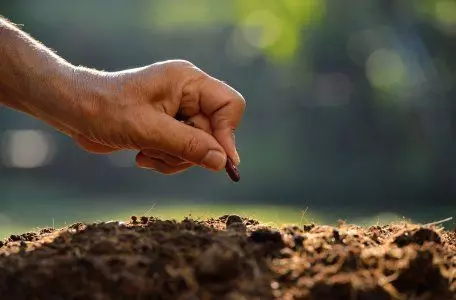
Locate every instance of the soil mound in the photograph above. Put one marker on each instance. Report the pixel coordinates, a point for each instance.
(228, 258)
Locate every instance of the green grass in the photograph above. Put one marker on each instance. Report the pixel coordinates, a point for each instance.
(269, 214)
(25, 217)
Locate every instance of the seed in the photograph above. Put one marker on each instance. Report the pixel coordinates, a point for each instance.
(231, 170)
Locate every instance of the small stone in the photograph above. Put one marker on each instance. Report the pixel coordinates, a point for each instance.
(14, 238)
(233, 219)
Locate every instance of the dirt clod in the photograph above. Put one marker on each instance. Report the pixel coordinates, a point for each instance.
(417, 236)
(14, 238)
(218, 264)
(134, 219)
(421, 274)
(265, 235)
(149, 258)
(308, 227)
(233, 219)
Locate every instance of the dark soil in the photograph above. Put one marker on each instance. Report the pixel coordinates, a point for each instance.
(228, 258)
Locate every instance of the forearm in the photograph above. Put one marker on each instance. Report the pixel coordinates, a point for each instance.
(35, 80)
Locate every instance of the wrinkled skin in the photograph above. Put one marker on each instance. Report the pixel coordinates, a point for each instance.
(130, 109)
(143, 113)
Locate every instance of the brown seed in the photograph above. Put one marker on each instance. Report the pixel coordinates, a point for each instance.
(232, 170)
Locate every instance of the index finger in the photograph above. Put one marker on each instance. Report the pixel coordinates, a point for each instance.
(225, 107)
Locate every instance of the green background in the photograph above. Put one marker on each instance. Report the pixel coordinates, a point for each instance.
(350, 111)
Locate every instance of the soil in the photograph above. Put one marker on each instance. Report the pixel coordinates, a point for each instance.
(228, 258)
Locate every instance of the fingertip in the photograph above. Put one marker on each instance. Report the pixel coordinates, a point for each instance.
(214, 160)
(226, 139)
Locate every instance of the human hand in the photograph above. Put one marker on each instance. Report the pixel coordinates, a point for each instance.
(131, 109)
(137, 109)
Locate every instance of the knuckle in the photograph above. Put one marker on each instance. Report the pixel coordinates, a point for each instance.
(180, 63)
(190, 147)
(239, 101)
(184, 62)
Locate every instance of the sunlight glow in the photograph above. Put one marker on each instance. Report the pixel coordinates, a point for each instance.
(262, 28)
(27, 149)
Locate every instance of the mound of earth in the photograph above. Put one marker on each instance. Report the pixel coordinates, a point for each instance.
(228, 258)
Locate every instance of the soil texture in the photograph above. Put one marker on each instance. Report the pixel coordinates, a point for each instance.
(231, 258)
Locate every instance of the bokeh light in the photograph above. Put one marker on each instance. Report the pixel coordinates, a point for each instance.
(27, 149)
(262, 28)
(385, 69)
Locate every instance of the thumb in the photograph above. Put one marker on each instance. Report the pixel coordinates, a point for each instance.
(189, 143)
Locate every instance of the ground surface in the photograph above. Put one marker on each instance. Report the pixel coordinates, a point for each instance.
(228, 258)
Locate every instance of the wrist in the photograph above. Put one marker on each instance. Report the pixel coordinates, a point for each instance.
(75, 98)
(84, 92)
(35, 80)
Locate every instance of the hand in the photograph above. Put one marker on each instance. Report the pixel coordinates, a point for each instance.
(132, 109)
(137, 109)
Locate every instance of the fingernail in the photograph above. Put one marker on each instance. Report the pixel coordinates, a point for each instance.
(214, 160)
(236, 158)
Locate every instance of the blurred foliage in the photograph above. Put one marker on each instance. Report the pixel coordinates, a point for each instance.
(277, 26)
(349, 104)
(273, 26)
